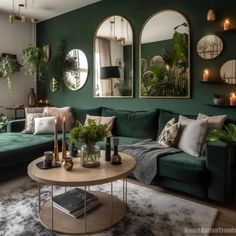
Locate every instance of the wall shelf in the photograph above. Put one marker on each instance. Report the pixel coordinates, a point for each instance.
(212, 82)
(221, 106)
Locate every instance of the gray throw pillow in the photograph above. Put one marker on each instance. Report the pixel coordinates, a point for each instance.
(193, 135)
(29, 122)
(45, 125)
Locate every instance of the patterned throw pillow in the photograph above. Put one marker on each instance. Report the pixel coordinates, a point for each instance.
(29, 123)
(169, 133)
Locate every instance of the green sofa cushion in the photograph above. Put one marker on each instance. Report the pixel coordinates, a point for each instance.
(19, 147)
(136, 124)
(80, 114)
(184, 167)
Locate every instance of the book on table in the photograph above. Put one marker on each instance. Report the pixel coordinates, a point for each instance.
(72, 202)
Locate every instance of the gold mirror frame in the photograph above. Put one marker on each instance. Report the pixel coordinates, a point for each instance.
(113, 87)
(165, 86)
(209, 46)
(75, 69)
(228, 72)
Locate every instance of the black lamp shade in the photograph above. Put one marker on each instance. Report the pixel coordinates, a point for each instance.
(108, 72)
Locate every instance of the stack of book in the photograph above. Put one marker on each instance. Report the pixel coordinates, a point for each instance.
(72, 202)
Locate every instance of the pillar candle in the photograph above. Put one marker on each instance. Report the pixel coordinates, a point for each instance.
(205, 75)
(227, 24)
(232, 99)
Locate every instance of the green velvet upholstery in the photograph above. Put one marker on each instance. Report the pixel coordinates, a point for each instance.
(18, 147)
(136, 124)
(80, 114)
(16, 125)
(184, 167)
(218, 170)
(196, 189)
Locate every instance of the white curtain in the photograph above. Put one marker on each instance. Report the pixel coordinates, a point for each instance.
(102, 58)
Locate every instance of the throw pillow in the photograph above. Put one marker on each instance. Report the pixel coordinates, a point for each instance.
(169, 133)
(60, 113)
(109, 121)
(29, 122)
(214, 122)
(44, 125)
(193, 135)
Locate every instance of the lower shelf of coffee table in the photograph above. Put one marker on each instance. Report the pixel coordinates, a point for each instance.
(108, 214)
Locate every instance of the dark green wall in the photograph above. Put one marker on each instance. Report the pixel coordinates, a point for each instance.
(78, 27)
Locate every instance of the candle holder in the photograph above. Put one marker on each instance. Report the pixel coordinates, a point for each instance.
(56, 152)
(63, 151)
(205, 75)
(227, 24)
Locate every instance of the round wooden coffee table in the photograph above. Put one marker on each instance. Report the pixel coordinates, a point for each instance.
(112, 209)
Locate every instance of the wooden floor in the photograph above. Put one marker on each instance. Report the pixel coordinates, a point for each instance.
(227, 214)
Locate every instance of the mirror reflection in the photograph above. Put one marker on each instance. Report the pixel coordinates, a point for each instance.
(75, 69)
(228, 72)
(209, 47)
(164, 44)
(113, 58)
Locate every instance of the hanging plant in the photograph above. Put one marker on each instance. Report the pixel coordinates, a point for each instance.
(7, 69)
(33, 61)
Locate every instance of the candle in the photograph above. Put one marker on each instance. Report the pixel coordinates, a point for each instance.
(205, 75)
(227, 24)
(232, 99)
(55, 130)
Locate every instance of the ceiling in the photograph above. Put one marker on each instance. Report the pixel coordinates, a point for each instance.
(43, 9)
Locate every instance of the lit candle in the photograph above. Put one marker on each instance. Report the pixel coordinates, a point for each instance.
(55, 130)
(227, 24)
(232, 99)
(205, 75)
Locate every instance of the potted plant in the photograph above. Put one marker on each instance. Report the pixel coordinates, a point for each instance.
(3, 122)
(89, 134)
(33, 60)
(7, 69)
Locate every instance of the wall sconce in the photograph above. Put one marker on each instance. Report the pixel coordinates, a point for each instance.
(227, 24)
(211, 15)
(205, 75)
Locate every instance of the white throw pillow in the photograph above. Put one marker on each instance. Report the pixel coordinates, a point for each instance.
(169, 133)
(193, 135)
(214, 122)
(108, 120)
(44, 125)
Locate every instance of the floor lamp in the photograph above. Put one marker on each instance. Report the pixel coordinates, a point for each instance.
(110, 72)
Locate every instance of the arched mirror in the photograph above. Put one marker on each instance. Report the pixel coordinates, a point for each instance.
(228, 72)
(209, 47)
(164, 44)
(75, 69)
(113, 58)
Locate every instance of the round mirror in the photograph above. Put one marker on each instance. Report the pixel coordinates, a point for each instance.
(228, 72)
(113, 58)
(164, 43)
(75, 69)
(209, 47)
(53, 85)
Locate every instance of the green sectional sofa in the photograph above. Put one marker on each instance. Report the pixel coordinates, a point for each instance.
(205, 176)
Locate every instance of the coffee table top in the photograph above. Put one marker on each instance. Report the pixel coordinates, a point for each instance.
(80, 176)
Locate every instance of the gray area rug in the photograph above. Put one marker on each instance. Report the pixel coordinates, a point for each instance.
(149, 212)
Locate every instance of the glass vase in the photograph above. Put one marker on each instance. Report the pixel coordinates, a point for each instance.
(90, 155)
(32, 100)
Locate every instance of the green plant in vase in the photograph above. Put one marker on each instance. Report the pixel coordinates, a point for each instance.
(3, 122)
(89, 134)
(34, 61)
